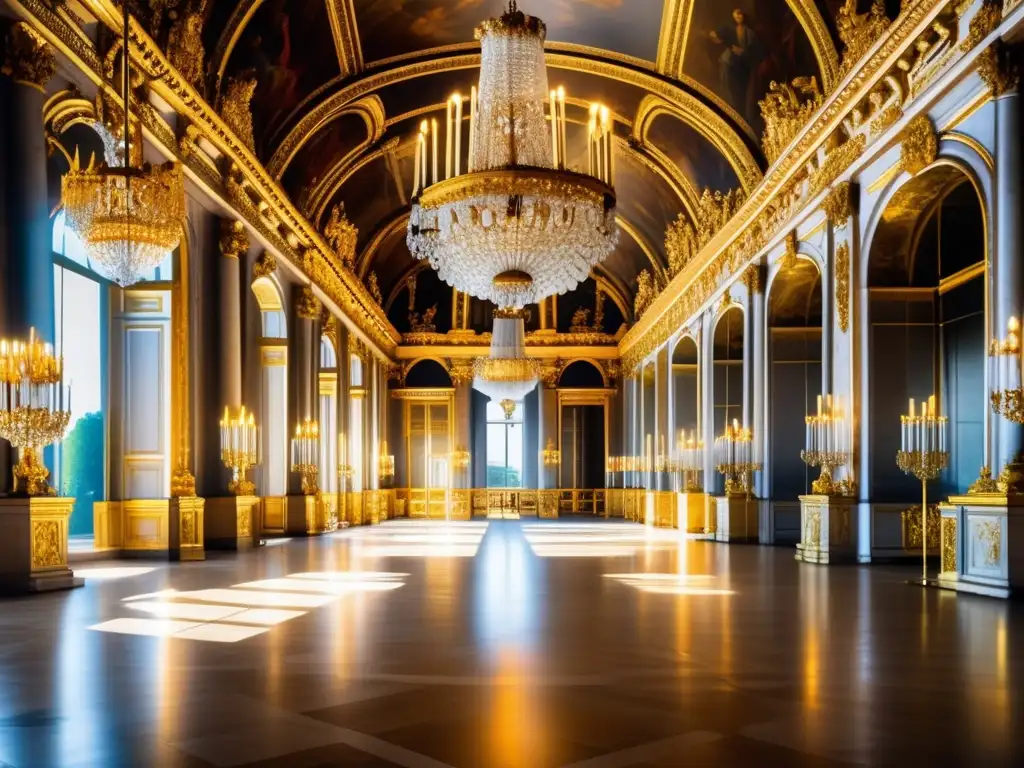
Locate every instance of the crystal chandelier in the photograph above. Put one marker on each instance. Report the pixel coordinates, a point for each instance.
(129, 218)
(35, 407)
(518, 225)
(507, 375)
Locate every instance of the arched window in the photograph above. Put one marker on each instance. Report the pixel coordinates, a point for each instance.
(328, 415)
(274, 391)
(356, 423)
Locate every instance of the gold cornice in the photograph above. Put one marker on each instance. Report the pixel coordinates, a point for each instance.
(700, 281)
(675, 25)
(705, 116)
(345, 31)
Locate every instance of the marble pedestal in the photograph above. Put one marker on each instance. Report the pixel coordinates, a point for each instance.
(695, 514)
(307, 515)
(826, 524)
(34, 545)
(736, 519)
(982, 544)
(233, 522)
(158, 528)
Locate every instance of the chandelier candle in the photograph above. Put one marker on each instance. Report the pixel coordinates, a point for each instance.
(827, 443)
(518, 225)
(305, 454)
(924, 454)
(1005, 374)
(241, 449)
(691, 462)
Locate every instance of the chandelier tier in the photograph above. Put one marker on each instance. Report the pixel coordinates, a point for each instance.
(129, 219)
(518, 225)
(507, 375)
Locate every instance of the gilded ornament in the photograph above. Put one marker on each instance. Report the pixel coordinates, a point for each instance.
(752, 278)
(837, 160)
(983, 24)
(183, 483)
(460, 371)
(612, 370)
(911, 525)
(233, 240)
(341, 236)
(185, 44)
(886, 117)
(46, 544)
(788, 258)
(550, 373)
(424, 324)
(785, 110)
(997, 69)
(188, 527)
(919, 145)
(237, 108)
(990, 534)
(265, 266)
(307, 306)
(984, 484)
(243, 523)
(28, 59)
(842, 278)
(680, 244)
(645, 293)
(580, 321)
(599, 299)
(948, 545)
(373, 286)
(838, 204)
(859, 31)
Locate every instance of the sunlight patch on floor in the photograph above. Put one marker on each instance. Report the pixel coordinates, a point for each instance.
(416, 538)
(597, 539)
(671, 583)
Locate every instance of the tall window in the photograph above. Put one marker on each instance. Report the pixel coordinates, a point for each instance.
(357, 405)
(328, 415)
(504, 447)
(274, 391)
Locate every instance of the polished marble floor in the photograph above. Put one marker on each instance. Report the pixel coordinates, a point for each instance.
(569, 643)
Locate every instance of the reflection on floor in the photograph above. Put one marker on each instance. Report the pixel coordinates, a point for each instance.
(243, 611)
(537, 644)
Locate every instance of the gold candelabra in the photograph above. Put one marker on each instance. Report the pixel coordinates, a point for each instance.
(690, 464)
(924, 453)
(385, 464)
(241, 449)
(35, 408)
(734, 459)
(345, 469)
(306, 455)
(461, 459)
(827, 444)
(1006, 394)
(551, 456)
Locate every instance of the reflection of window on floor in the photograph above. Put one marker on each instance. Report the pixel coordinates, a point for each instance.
(79, 462)
(504, 447)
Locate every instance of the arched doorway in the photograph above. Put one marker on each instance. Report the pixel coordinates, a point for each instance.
(328, 414)
(274, 389)
(727, 379)
(583, 438)
(794, 382)
(686, 396)
(926, 309)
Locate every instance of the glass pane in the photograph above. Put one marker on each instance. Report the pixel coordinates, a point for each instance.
(79, 337)
(496, 455)
(417, 445)
(514, 456)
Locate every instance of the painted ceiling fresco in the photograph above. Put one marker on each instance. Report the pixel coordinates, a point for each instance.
(732, 50)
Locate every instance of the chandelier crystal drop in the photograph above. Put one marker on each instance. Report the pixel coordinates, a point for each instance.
(128, 218)
(507, 375)
(516, 225)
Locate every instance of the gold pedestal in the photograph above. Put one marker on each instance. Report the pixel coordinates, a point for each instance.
(232, 522)
(826, 530)
(354, 507)
(171, 528)
(695, 513)
(462, 503)
(34, 545)
(306, 516)
(982, 544)
(275, 514)
(736, 518)
(661, 509)
(547, 504)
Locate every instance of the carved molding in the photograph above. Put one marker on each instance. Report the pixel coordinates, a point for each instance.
(998, 70)
(28, 59)
(838, 204)
(233, 240)
(307, 306)
(842, 278)
(919, 145)
(265, 266)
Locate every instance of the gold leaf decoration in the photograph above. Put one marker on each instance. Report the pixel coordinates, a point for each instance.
(843, 286)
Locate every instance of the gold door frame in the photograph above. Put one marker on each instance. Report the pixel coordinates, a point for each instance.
(427, 498)
(599, 397)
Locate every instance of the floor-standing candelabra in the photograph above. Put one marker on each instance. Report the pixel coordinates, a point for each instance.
(35, 408)
(385, 466)
(690, 464)
(1005, 374)
(734, 459)
(306, 455)
(923, 453)
(241, 449)
(827, 446)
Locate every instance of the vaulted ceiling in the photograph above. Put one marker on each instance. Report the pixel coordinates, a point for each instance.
(343, 85)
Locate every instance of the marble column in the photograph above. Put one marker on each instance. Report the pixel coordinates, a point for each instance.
(757, 378)
(303, 359)
(462, 379)
(233, 244)
(1008, 275)
(707, 404)
(663, 441)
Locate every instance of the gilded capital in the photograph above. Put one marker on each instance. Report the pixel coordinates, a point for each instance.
(919, 145)
(997, 69)
(233, 240)
(307, 307)
(843, 285)
(28, 59)
(752, 278)
(265, 266)
(788, 258)
(838, 204)
(550, 373)
(460, 371)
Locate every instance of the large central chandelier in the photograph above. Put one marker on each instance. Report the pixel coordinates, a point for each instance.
(129, 218)
(507, 375)
(518, 225)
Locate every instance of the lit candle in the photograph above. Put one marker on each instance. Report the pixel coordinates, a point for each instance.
(553, 109)
(458, 133)
(433, 156)
(448, 138)
(472, 130)
(561, 126)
